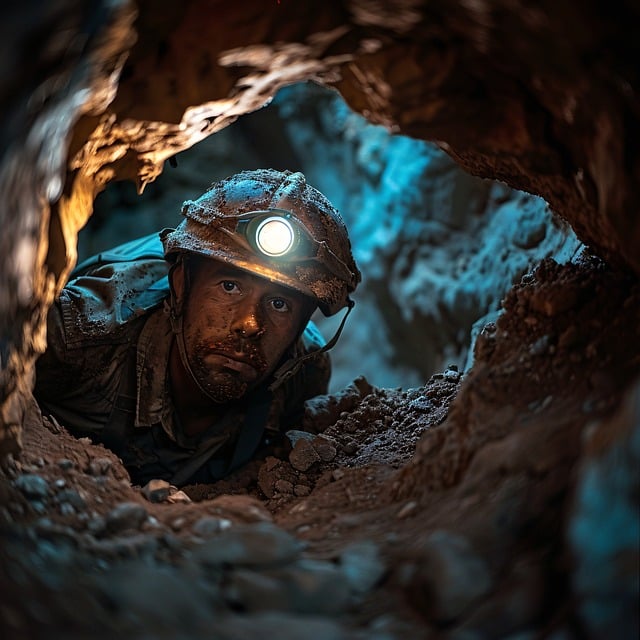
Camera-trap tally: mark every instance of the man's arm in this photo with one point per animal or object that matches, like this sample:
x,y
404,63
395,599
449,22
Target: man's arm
x,y
74,381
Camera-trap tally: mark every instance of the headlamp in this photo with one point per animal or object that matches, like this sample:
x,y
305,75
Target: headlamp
x,y
274,236
275,233
278,235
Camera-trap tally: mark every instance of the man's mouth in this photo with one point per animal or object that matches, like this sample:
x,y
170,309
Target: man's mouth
x,y
243,367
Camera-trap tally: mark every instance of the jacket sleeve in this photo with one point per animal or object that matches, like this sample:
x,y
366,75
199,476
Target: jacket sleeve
x,y
76,382
53,372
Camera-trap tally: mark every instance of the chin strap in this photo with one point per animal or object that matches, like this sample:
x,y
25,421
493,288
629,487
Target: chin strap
x,y
293,365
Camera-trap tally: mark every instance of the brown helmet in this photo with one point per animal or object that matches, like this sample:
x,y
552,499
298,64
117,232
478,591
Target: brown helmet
x,y
273,224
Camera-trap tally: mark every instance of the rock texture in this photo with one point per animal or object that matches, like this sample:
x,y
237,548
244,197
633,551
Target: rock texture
x,y
499,503
524,476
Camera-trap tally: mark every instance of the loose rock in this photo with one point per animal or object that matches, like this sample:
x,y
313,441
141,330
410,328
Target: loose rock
x,y
71,497
325,448
32,486
127,515
209,526
362,566
156,490
262,544
303,456
450,577
99,466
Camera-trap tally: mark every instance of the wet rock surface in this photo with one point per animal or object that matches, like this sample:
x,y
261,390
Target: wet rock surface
x,y
466,509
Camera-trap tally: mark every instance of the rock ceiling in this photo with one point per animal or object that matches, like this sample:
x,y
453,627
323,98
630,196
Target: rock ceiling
x,y
542,98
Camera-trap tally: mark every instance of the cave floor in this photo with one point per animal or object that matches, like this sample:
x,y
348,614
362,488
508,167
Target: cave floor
x,y
440,511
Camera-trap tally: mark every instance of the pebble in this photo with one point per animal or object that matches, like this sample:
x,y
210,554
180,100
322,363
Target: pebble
x,y
66,509
350,448
178,523
156,490
294,435
351,426
407,510
515,607
244,507
314,587
178,497
32,486
423,404
450,577
253,591
71,497
303,455
452,374
325,448
39,507
284,486
126,515
99,466
261,544
362,566
65,463
12,465
209,526
302,490
140,544
540,346
309,587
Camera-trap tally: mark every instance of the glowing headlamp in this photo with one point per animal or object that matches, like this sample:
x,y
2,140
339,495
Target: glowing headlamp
x,y
278,234
274,236
274,233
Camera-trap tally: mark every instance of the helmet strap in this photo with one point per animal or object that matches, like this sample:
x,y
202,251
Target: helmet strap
x,y
292,366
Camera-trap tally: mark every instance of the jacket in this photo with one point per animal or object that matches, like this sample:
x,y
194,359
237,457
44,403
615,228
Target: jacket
x,y
105,375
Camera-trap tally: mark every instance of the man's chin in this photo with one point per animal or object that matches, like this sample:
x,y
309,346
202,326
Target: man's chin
x,y
228,387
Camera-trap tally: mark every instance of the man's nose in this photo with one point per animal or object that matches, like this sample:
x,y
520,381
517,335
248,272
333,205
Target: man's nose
x,y
248,323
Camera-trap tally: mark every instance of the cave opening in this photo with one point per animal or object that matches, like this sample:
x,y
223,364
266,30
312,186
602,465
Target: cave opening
x,y
439,248
496,497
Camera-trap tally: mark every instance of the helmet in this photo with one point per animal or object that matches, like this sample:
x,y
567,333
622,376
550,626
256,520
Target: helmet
x,y
273,224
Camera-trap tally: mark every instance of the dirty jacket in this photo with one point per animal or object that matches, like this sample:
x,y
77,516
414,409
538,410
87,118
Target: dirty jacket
x,y
105,376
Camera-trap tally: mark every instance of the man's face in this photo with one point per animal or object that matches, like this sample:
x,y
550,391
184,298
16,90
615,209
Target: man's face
x,y
237,326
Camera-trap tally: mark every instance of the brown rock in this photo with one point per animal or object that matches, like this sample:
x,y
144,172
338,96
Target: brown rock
x,y
303,456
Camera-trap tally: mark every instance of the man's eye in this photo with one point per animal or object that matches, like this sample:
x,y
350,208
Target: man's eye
x,y
230,287
280,305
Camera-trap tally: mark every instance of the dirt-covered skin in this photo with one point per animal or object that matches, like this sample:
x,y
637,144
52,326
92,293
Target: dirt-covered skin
x,y
445,509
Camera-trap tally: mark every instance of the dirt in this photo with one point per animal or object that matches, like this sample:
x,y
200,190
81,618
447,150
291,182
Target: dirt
x,y
466,487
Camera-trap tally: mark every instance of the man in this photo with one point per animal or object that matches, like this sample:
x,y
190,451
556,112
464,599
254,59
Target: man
x,y
186,351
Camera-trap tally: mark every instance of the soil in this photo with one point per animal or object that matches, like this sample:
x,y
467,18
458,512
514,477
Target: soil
x,y
466,487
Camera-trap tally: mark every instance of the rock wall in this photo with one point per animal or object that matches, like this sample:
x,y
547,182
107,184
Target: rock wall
x,y
529,484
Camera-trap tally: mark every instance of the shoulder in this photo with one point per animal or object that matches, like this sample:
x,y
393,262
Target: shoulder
x,y
111,290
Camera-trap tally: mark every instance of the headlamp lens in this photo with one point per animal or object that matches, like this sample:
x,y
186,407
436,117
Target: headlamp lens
x,y
274,236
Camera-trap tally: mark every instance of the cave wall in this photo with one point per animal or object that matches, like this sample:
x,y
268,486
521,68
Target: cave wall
x,y
541,98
